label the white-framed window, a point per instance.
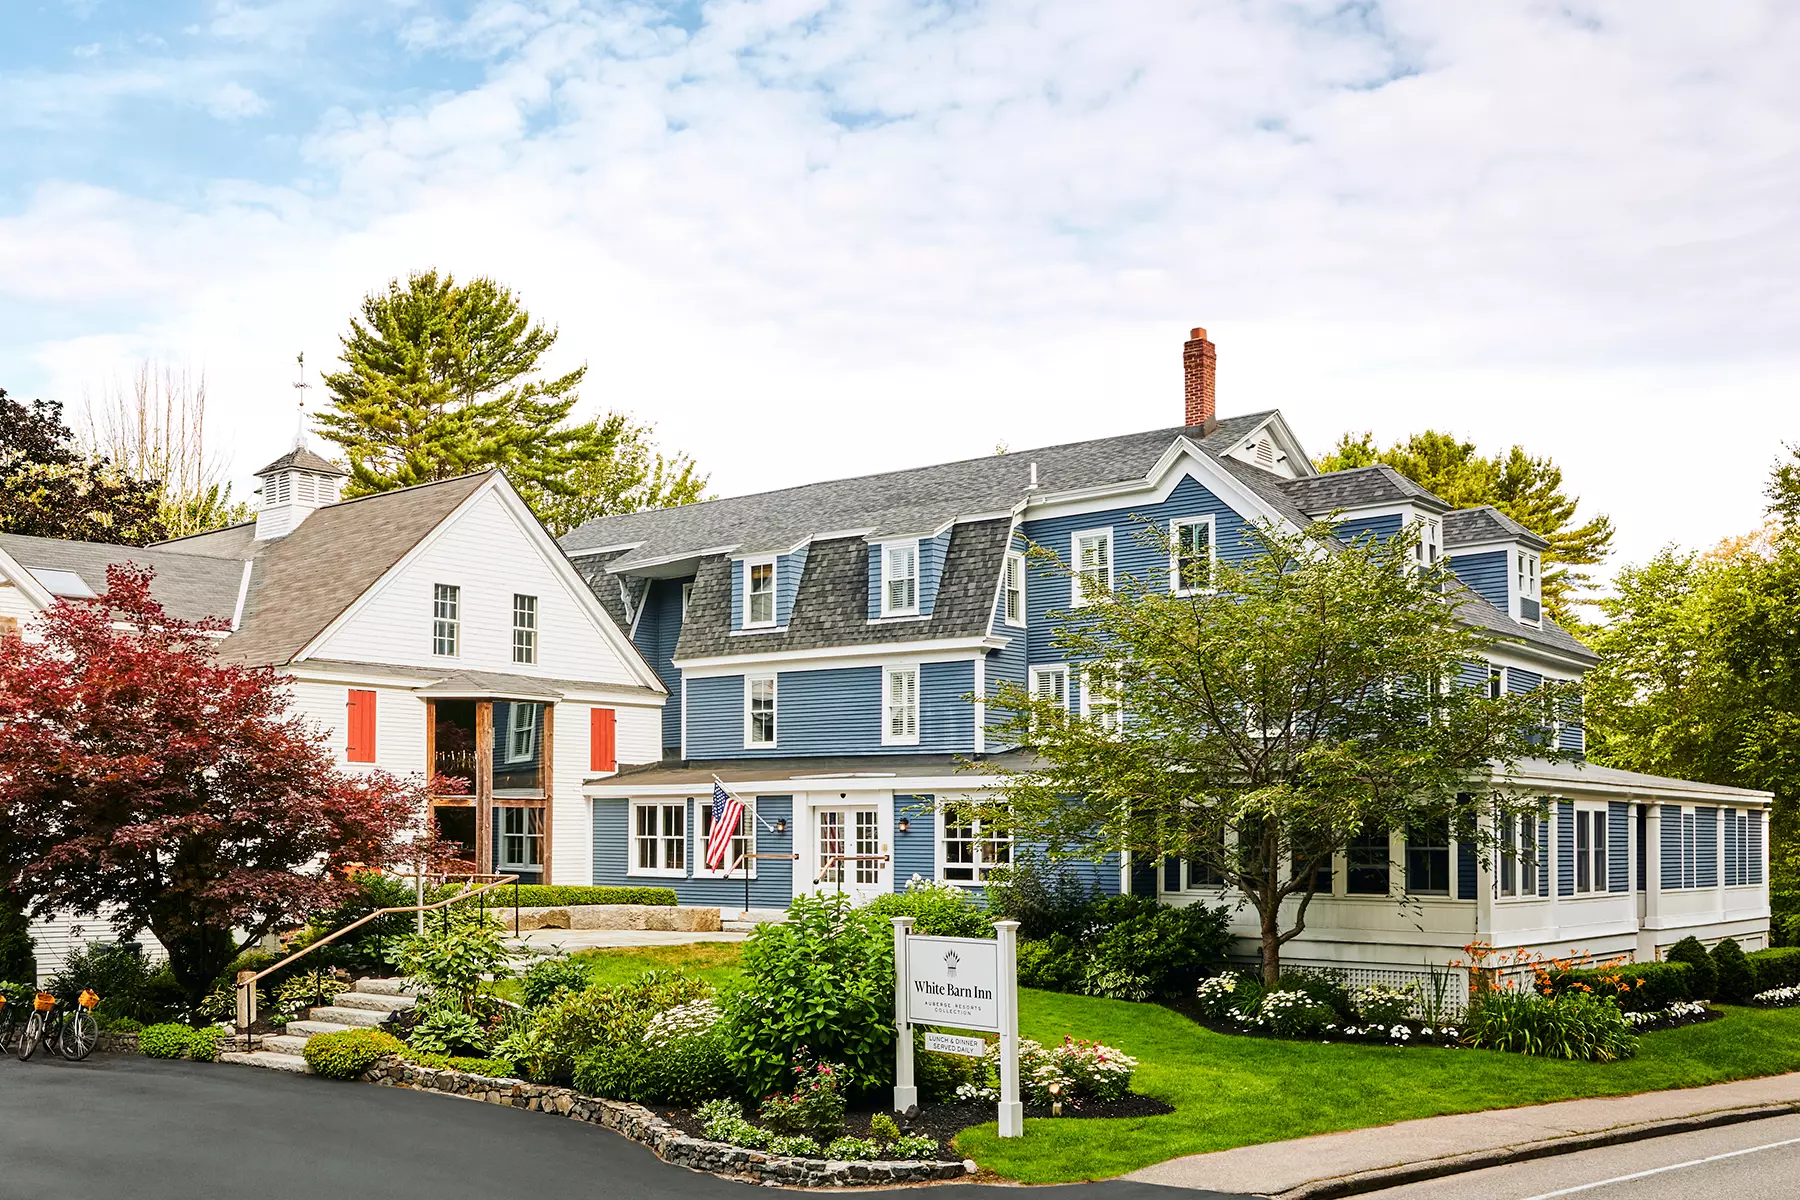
(658, 837)
(1093, 552)
(900, 579)
(1191, 554)
(759, 710)
(1051, 683)
(1528, 586)
(1431, 540)
(1496, 682)
(1518, 854)
(759, 592)
(522, 732)
(900, 706)
(1012, 590)
(687, 597)
(971, 846)
(743, 842)
(521, 839)
(446, 619)
(525, 628)
(1100, 701)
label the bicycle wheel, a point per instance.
(9, 1021)
(80, 1032)
(34, 1033)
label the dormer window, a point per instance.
(1527, 586)
(759, 592)
(900, 579)
(1013, 590)
(1431, 540)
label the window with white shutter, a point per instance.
(900, 724)
(900, 579)
(1093, 566)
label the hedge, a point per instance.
(1774, 968)
(538, 895)
(1652, 986)
(349, 1052)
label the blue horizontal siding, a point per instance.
(1706, 847)
(834, 711)
(773, 886)
(915, 851)
(1473, 675)
(1004, 666)
(658, 630)
(1354, 528)
(1670, 857)
(789, 570)
(1486, 575)
(1135, 556)
(1518, 679)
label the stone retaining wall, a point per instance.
(669, 1143)
(667, 918)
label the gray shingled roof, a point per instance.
(191, 587)
(1475, 526)
(303, 459)
(917, 501)
(1359, 487)
(301, 582)
(1477, 610)
(832, 606)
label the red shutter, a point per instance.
(603, 740)
(360, 743)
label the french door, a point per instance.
(848, 855)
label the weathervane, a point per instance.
(302, 387)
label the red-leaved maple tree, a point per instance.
(144, 781)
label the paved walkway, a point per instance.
(544, 941)
(1281, 1166)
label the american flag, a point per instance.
(726, 811)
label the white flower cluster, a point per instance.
(1384, 1003)
(1276, 1005)
(1678, 1013)
(1781, 997)
(1217, 996)
(975, 1091)
(682, 1021)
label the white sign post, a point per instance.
(965, 983)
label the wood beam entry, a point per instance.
(484, 787)
(430, 742)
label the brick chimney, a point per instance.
(1201, 358)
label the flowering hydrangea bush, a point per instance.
(1781, 997)
(682, 1021)
(1078, 1071)
(1384, 1003)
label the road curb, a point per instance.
(1360, 1182)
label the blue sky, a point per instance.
(808, 238)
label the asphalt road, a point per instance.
(125, 1126)
(1758, 1160)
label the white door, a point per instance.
(849, 853)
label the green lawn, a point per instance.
(1235, 1091)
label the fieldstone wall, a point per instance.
(663, 917)
(669, 1143)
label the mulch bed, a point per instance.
(945, 1121)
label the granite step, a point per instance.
(285, 1043)
(309, 1028)
(269, 1060)
(341, 1015)
(376, 1001)
(383, 987)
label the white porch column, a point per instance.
(1652, 884)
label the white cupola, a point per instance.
(293, 486)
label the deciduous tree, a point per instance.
(1529, 490)
(50, 488)
(145, 782)
(155, 430)
(1287, 702)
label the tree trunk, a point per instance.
(1271, 943)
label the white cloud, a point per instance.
(812, 239)
(234, 101)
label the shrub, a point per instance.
(679, 1059)
(853, 1149)
(1217, 997)
(575, 1025)
(546, 977)
(1291, 1013)
(794, 1146)
(347, 1053)
(122, 1025)
(937, 910)
(124, 981)
(913, 1145)
(493, 1068)
(1775, 968)
(1140, 947)
(1706, 975)
(1079, 1071)
(815, 1106)
(1736, 980)
(16, 959)
(937, 1076)
(442, 1027)
(167, 1040)
(373, 947)
(883, 1129)
(1055, 964)
(450, 964)
(724, 1121)
(1383, 1003)
(1575, 1026)
(1044, 899)
(203, 1043)
(539, 895)
(1326, 988)
(1635, 987)
(821, 983)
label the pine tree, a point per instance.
(443, 378)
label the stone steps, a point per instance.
(375, 1001)
(365, 1006)
(285, 1043)
(383, 987)
(311, 1028)
(269, 1060)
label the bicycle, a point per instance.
(9, 1023)
(71, 1032)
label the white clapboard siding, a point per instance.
(638, 739)
(399, 724)
(487, 552)
(52, 938)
